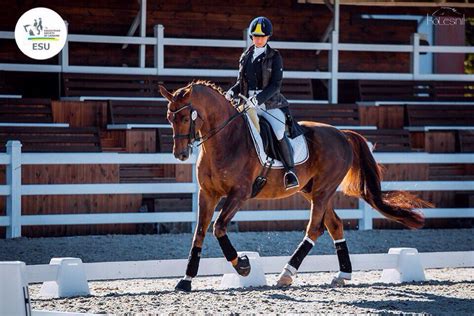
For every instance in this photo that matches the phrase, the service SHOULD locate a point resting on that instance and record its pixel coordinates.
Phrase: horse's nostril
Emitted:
(183, 156)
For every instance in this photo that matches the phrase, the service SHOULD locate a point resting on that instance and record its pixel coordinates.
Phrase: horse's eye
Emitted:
(185, 119)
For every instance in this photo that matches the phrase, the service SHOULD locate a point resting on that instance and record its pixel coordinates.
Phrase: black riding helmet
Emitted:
(260, 26)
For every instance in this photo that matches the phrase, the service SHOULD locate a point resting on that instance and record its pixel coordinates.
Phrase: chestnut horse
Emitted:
(228, 165)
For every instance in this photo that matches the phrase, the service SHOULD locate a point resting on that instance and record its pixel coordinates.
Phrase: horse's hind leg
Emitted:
(207, 204)
(336, 229)
(315, 228)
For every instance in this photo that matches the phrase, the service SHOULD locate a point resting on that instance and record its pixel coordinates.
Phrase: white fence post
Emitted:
(159, 31)
(415, 56)
(365, 223)
(142, 50)
(14, 181)
(65, 52)
(333, 67)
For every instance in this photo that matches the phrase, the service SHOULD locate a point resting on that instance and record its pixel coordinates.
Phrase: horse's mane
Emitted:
(180, 92)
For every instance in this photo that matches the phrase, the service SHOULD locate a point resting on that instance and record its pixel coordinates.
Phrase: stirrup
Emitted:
(288, 185)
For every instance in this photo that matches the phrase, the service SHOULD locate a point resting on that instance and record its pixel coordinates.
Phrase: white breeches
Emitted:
(275, 117)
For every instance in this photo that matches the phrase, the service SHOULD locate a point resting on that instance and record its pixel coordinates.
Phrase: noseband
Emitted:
(193, 115)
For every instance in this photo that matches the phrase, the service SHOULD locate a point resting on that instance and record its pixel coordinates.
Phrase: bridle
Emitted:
(193, 116)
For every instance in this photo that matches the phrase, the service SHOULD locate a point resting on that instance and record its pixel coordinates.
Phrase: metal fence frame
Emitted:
(159, 41)
(14, 190)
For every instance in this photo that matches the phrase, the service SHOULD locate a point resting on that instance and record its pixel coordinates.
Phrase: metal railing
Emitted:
(159, 41)
(14, 190)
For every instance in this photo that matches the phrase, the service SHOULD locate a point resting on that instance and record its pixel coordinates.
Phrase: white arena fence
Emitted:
(159, 41)
(69, 277)
(120, 270)
(14, 190)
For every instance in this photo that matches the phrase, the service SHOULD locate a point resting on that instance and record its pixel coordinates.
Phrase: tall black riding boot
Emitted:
(291, 180)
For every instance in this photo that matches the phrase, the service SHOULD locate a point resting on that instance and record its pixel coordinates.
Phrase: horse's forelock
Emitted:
(179, 94)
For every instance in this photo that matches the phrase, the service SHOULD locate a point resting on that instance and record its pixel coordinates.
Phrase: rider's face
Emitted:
(260, 41)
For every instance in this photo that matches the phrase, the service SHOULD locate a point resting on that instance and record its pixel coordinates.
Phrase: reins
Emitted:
(192, 127)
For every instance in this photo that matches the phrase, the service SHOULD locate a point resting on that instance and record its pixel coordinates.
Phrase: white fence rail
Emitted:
(159, 41)
(14, 190)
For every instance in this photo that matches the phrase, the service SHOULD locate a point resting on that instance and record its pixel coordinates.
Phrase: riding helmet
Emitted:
(260, 26)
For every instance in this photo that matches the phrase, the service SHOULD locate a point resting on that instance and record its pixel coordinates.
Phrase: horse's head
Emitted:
(184, 119)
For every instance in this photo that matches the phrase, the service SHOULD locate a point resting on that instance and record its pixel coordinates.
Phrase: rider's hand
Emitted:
(252, 102)
(229, 94)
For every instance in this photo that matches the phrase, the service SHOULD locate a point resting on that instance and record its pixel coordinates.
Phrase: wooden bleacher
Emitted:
(388, 140)
(346, 116)
(466, 141)
(77, 85)
(133, 114)
(51, 139)
(440, 116)
(25, 111)
(333, 114)
(137, 113)
(422, 91)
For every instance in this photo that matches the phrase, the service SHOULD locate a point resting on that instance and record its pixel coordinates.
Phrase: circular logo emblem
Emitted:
(40, 33)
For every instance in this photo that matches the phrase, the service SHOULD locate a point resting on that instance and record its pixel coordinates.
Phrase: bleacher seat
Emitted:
(334, 114)
(388, 140)
(437, 115)
(25, 111)
(48, 139)
(422, 91)
(135, 86)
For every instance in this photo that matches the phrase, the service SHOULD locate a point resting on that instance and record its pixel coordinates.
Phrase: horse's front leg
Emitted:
(231, 206)
(207, 205)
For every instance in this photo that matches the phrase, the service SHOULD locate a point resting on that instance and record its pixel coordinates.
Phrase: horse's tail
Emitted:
(363, 181)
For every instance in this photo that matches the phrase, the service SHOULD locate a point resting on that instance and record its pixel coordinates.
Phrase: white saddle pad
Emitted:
(300, 147)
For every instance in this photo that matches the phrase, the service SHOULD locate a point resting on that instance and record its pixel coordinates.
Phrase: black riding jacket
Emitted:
(265, 73)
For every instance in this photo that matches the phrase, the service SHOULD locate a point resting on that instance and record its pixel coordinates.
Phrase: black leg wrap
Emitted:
(193, 262)
(343, 257)
(229, 251)
(303, 249)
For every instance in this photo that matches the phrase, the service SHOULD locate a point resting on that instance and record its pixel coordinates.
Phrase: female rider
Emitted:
(260, 77)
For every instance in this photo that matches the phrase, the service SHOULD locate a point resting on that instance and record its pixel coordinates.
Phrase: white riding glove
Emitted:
(252, 102)
(229, 94)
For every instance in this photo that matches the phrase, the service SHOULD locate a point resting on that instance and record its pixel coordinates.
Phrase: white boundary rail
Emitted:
(159, 41)
(14, 190)
(121, 270)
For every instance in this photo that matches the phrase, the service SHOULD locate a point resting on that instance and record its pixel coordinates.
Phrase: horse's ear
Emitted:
(165, 93)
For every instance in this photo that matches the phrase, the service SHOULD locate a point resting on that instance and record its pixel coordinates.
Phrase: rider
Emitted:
(260, 77)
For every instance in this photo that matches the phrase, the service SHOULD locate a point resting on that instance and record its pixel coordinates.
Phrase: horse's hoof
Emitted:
(243, 266)
(183, 286)
(285, 279)
(338, 282)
